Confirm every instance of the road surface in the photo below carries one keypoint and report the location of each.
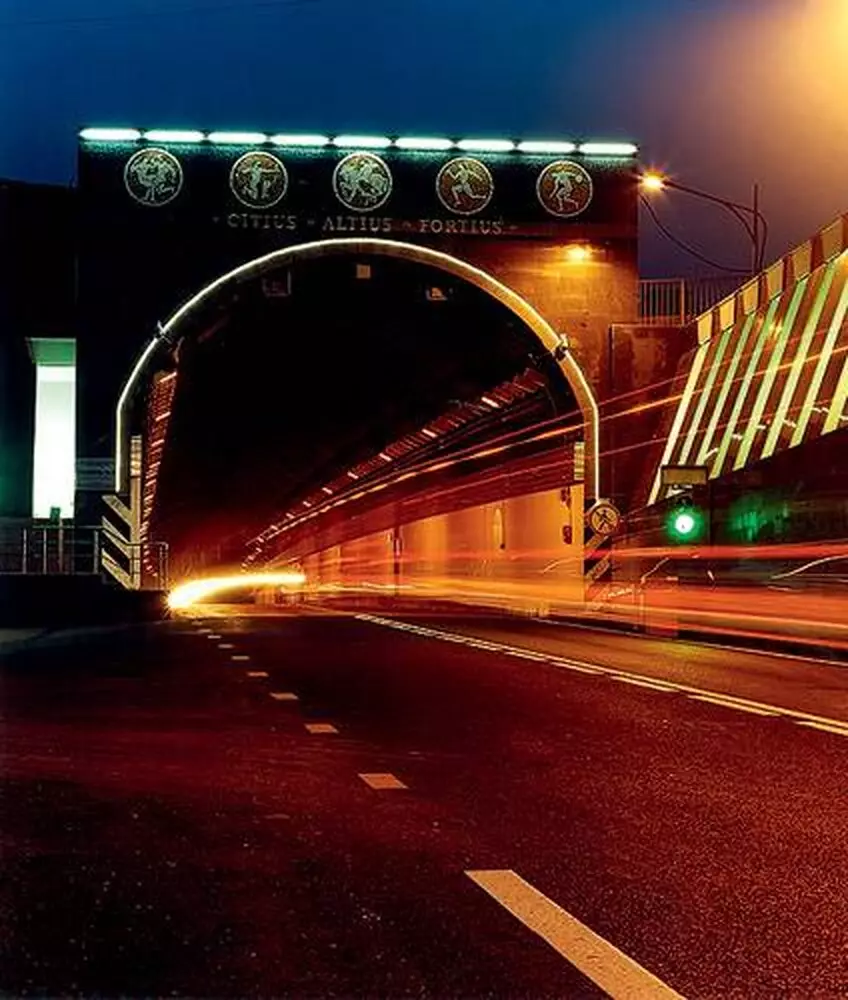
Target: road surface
(314, 805)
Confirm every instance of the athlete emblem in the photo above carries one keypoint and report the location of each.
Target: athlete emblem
(362, 182)
(564, 188)
(465, 186)
(259, 180)
(153, 176)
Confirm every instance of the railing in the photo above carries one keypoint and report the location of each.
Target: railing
(678, 301)
(73, 550)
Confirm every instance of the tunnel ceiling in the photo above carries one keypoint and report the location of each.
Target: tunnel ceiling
(293, 377)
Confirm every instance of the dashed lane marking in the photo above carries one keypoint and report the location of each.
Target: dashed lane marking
(382, 782)
(724, 703)
(654, 685)
(257, 673)
(615, 973)
(320, 727)
(240, 658)
(839, 730)
(284, 696)
(836, 726)
(213, 635)
(226, 645)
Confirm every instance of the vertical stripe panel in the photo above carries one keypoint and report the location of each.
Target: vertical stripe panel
(769, 376)
(727, 383)
(759, 337)
(798, 363)
(825, 358)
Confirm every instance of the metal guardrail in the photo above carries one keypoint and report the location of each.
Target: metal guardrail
(34, 549)
(678, 301)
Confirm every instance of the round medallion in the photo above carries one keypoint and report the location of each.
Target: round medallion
(362, 182)
(153, 176)
(564, 189)
(258, 179)
(465, 186)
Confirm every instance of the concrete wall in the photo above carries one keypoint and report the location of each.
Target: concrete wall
(510, 554)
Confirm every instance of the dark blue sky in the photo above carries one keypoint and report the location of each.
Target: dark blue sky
(721, 96)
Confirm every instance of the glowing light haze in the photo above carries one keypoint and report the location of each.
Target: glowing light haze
(718, 93)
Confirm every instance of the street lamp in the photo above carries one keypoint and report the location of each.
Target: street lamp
(750, 216)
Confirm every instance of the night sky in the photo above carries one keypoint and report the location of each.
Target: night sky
(720, 92)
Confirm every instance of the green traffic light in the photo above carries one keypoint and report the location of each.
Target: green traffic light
(684, 525)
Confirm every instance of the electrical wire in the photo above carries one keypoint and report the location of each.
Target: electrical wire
(685, 246)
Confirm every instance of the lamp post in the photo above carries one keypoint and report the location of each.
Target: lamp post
(750, 216)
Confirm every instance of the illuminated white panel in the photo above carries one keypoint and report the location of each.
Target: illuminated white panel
(363, 141)
(609, 148)
(536, 146)
(741, 394)
(486, 145)
(728, 382)
(300, 140)
(798, 364)
(54, 453)
(424, 143)
(238, 138)
(706, 396)
(679, 418)
(110, 134)
(174, 135)
(824, 361)
(769, 376)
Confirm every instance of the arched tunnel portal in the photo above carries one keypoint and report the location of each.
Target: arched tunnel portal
(308, 362)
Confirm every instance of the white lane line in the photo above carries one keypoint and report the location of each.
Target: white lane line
(320, 727)
(615, 973)
(653, 685)
(839, 730)
(257, 673)
(728, 700)
(226, 645)
(283, 696)
(213, 635)
(724, 703)
(240, 658)
(716, 647)
(382, 782)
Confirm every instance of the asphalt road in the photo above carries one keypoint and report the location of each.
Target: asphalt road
(170, 828)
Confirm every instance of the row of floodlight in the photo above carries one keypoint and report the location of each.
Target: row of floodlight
(426, 143)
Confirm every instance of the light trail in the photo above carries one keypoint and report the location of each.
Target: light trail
(190, 593)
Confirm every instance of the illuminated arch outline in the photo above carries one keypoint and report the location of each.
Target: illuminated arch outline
(555, 343)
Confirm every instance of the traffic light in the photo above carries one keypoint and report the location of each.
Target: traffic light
(685, 522)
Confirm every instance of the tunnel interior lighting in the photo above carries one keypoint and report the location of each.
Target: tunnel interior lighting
(300, 140)
(238, 138)
(362, 141)
(486, 145)
(543, 146)
(110, 134)
(54, 448)
(173, 135)
(609, 148)
(578, 254)
(423, 142)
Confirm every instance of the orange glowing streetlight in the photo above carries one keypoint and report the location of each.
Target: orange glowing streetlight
(653, 181)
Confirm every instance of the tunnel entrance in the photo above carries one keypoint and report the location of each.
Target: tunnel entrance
(297, 368)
